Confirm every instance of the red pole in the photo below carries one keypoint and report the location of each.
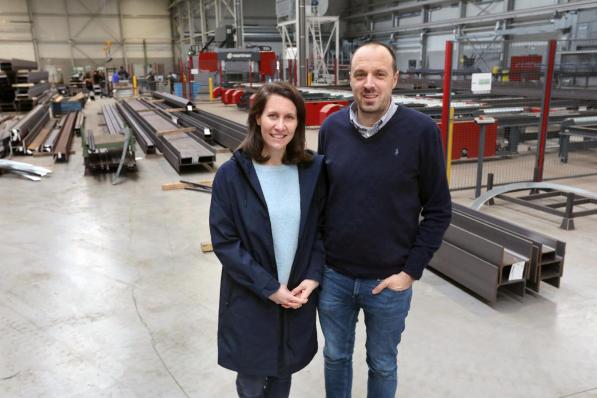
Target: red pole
(182, 83)
(551, 60)
(447, 92)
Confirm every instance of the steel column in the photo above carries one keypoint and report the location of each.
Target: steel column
(545, 112)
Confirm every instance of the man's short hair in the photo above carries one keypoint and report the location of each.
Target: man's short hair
(384, 45)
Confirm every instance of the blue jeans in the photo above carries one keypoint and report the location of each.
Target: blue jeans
(262, 386)
(340, 299)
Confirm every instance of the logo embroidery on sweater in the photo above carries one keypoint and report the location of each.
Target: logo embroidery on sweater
(396, 152)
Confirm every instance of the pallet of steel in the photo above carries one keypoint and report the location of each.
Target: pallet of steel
(144, 138)
(481, 265)
(63, 146)
(103, 152)
(25, 130)
(547, 262)
(180, 148)
(225, 132)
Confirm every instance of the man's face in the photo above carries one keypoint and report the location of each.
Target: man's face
(372, 80)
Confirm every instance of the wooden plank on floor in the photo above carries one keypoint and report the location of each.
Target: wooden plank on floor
(206, 247)
(181, 185)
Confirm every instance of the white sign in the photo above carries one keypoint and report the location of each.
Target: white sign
(481, 83)
(194, 71)
(516, 271)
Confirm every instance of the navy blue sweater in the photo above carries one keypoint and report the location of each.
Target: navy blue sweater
(377, 189)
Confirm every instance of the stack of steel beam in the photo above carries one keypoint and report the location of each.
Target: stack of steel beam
(487, 255)
(144, 138)
(180, 146)
(225, 132)
(113, 120)
(79, 123)
(63, 146)
(25, 130)
(51, 139)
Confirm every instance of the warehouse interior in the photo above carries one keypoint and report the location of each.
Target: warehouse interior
(116, 114)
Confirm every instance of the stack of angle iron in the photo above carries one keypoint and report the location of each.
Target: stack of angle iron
(113, 120)
(487, 255)
(26, 129)
(225, 132)
(26, 170)
(182, 146)
(5, 123)
(62, 148)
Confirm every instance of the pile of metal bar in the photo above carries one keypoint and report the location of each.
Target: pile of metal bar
(52, 137)
(79, 123)
(63, 146)
(11, 72)
(26, 129)
(487, 255)
(112, 119)
(225, 132)
(5, 123)
(143, 138)
(103, 152)
(37, 143)
(26, 170)
(181, 146)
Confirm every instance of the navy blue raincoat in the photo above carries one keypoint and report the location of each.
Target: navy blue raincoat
(255, 335)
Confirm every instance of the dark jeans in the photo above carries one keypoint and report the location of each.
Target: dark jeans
(340, 300)
(262, 386)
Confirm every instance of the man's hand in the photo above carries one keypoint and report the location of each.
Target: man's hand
(286, 299)
(305, 289)
(396, 282)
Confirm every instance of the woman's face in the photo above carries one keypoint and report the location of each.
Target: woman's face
(278, 123)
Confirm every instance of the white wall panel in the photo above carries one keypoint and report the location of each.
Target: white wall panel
(409, 21)
(523, 4)
(446, 12)
(139, 29)
(17, 50)
(54, 51)
(8, 6)
(51, 28)
(143, 7)
(474, 9)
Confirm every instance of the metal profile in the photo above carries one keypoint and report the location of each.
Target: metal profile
(548, 263)
(143, 137)
(64, 144)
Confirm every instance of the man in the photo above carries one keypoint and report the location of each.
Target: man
(385, 168)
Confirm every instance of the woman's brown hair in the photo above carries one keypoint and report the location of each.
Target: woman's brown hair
(253, 143)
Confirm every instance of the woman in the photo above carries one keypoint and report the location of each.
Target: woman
(264, 220)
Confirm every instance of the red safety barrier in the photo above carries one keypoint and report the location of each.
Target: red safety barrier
(327, 110)
(466, 139)
(217, 92)
(314, 107)
(235, 96)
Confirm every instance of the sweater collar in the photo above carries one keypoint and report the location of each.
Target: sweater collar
(365, 131)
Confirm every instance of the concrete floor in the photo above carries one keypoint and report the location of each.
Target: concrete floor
(105, 293)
